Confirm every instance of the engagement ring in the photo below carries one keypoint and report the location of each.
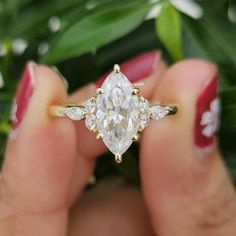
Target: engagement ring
(117, 113)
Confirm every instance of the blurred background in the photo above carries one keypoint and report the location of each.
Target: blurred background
(84, 38)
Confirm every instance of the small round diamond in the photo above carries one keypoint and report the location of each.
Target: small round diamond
(90, 105)
(144, 105)
(144, 118)
(91, 122)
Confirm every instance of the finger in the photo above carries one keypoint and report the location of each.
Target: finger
(185, 183)
(113, 207)
(40, 158)
(145, 70)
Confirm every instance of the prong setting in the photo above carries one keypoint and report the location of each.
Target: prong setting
(116, 68)
(93, 99)
(118, 158)
(99, 136)
(141, 128)
(99, 91)
(135, 91)
(94, 130)
(136, 137)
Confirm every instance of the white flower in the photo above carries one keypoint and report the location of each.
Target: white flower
(54, 24)
(19, 46)
(188, 7)
(209, 119)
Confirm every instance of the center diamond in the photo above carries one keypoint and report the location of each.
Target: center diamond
(117, 113)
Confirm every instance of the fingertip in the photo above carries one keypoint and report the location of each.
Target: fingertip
(41, 154)
(170, 152)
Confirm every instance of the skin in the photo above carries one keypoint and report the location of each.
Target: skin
(47, 165)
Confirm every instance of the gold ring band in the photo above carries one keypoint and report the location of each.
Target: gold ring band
(61, 111)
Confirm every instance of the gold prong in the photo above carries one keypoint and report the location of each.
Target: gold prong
(99, 136)
(141, 128)
(135, 91)
(118, 158)
(92, 180)
(141, 98)
(136, 137)
(99, 91)
(116, 68)
(93, 99)
(94, 130)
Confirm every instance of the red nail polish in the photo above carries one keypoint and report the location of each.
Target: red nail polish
(207, 112)
(24, 93)
(137, 68)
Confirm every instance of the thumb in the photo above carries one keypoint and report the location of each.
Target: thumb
(39, 159)
(185, 183)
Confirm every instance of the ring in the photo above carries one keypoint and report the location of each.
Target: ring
(117, 113)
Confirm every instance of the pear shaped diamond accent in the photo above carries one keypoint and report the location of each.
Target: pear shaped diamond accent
(90, 105)
(117, 113)
(91, 122)
(75, 113)
(158, 112)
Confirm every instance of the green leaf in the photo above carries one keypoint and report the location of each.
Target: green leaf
(169, 30)
(228, 96)
(36, 17)
(95, 31)
(215, 35)
(5, 127)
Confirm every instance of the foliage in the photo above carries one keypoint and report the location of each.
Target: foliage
(169, 28)
(99, 33)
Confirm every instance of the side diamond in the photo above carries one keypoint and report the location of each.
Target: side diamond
(75, 113)
(90, 105)
(91, 122)
(144, 105)
(144, 119)
(157, 112)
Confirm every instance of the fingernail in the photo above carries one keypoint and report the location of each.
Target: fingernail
(24, 93)
(137, 68)
(207, 114)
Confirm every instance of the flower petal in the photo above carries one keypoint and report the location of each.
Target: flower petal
(206, 118)
(208, 131)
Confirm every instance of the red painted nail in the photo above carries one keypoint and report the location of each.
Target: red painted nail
(24, 93)
(137, 68)
(207, 112)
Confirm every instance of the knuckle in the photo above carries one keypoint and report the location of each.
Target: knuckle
(217, 209)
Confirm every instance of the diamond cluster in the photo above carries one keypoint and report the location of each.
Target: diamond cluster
(118, 113)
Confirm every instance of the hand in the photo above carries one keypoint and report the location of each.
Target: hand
(48, 161)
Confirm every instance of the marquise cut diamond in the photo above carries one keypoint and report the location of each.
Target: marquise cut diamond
(158, 112)
(75, 113)
(117, 113)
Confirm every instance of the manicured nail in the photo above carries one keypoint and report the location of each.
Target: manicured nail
(207, 113)
(24, 93)
(137, 68)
